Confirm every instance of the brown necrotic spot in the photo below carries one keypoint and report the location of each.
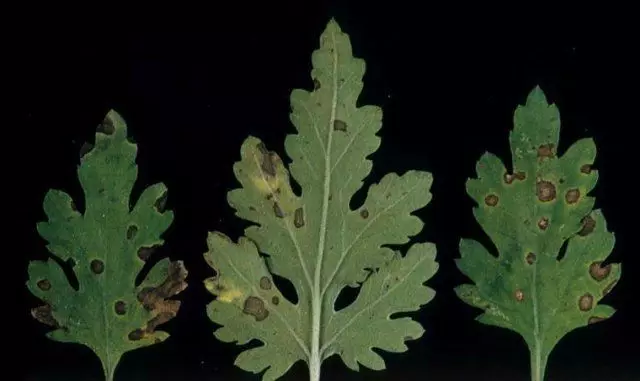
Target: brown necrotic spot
(265, 283)
(97, 266)
(586, 169)
(144, 253)
(131, 231)
(277, 210)
(509, 178)
(136, 334)
(339, 125)
(364, 213)
(545, 190)
(255, 307)
(298, 218)
(543, 223)
(275, 300)
(120, 307)
(491, 200)
(530, 258)
(519, 295)
(586, 302)
(43, 314)
(106, 127)
(267, 163)
(545, 151)
(572, 196)
(598, 272)
(588, 226)
(44, 285)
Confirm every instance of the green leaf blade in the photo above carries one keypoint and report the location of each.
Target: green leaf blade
(107, 245)
(529, 213)
(314, 239)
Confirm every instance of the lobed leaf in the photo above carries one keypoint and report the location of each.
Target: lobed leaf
(107, 245)
(530, 212)
(315, 240)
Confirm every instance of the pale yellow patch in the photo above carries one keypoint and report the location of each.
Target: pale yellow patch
(265, 184)
(228, 296)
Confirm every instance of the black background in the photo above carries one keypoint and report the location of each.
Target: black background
(193, 85)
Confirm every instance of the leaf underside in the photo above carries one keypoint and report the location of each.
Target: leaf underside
(530, 212)
(107, 246)
(315, 240)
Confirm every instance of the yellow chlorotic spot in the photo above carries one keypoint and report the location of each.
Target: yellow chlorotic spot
(265, 184)
(228, 296)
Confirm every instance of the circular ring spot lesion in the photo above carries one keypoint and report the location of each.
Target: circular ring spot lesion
(364, 213)
(572, 196)
(44, 284)
(255, 307)
(531, 258)
(543, 223)
(120, 307)
(491, 200)
(586, 302)
(265, 283)
(545, 190)
(588, 226)
(519, 295)
(598, 272)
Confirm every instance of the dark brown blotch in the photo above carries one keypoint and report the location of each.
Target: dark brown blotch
(545, 190)
(586, 302)
(339, 125)
(97, 266)
(161, 202)
(267, 161)
(44, 284)
(364, 213)
(509, 178)
(586, 169)
(298, 218)
(531, 258)
(572, 196)
(277, 210)
(588, 226)
(132, 230)
(144, 253)
(136, 334)
(543, 223)
(85, 149)
(106, 127)
(491, 200)
(255, 307)
(275, 300)
(545, 151)
(120, 307)
(44, 315)
(519, 295)
(598, 272)
(265, 283)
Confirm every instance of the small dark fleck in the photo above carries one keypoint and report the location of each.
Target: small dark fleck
(364, 213)
(136, 335)
(44, 285)
(298, 218)
(251, 208)
(491, 200)
(598, 272)
(131, 231)
(572, 196)
(586, 169)
(265, 283)
(339, 125)
(277, 210)
(97, 266)
(545, 151)
(545, 190)
(531, 258)
(120, 307)
(275, 300)
(586, 302)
